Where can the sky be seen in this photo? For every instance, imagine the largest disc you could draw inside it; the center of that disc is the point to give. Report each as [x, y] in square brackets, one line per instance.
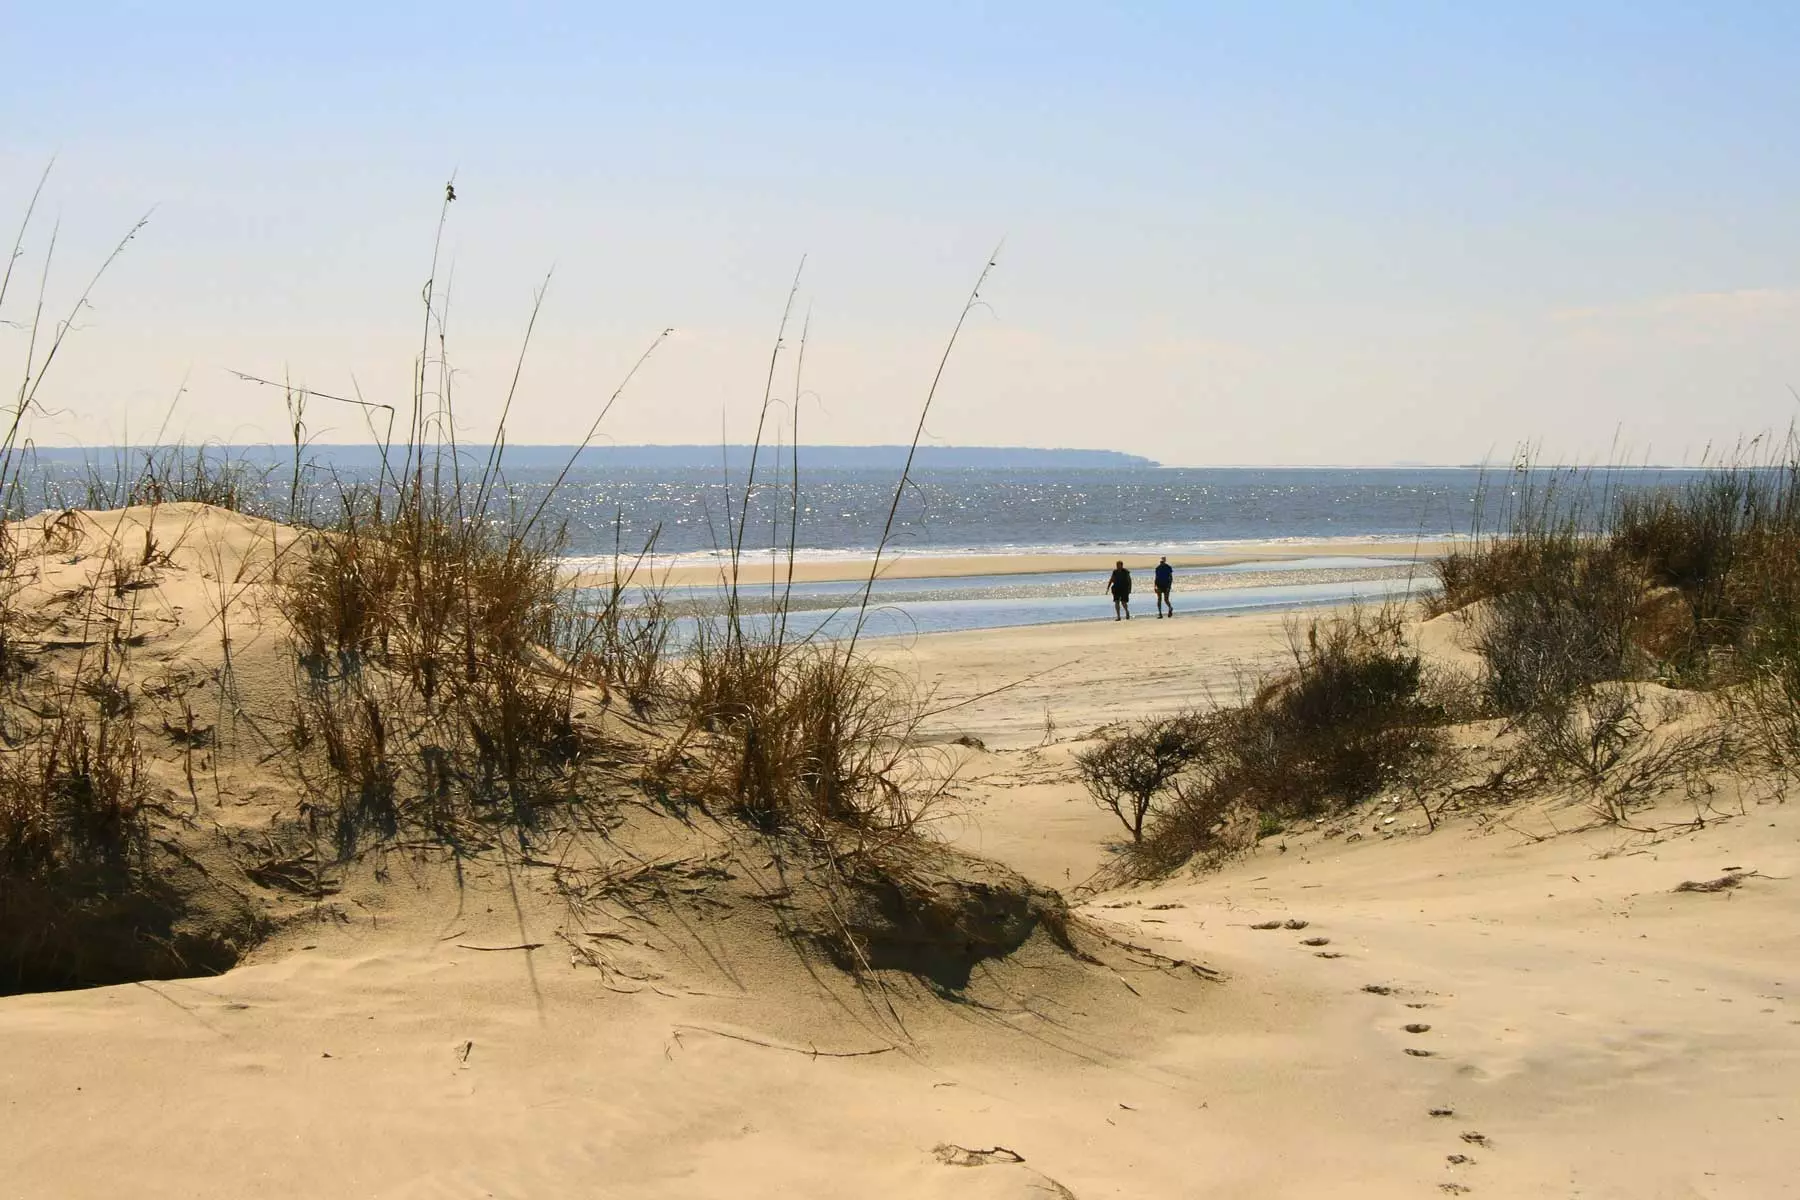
[1228, 233]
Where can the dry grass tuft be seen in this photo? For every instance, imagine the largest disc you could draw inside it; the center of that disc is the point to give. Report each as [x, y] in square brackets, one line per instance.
[1696, 587]
[72, 801]
[804, 735]
[443, 659]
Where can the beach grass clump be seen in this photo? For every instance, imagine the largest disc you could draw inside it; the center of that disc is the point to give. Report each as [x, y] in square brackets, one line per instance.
[1727, 543]
[72, 790]
[798, 733]
[444, 652]
[74, 831]
[1571, 622]
[96, 886]
[441, 657]
[1334, 727]
[1466, 576]
[423, 589]
[1350, 716]
[166, 474]
[627, 635]
[72, 798]
[1696, 586]
[349, 728]
[88, 895]
[441, 648]
[1765, 710]
[1761, 702]
[801, 732]
[1538, 525]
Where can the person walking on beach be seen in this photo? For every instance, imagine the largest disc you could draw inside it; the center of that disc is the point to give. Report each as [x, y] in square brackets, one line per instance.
[1119, 584]
[1165, 582]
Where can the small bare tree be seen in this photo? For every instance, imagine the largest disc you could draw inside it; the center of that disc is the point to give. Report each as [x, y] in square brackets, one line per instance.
[1127, 772]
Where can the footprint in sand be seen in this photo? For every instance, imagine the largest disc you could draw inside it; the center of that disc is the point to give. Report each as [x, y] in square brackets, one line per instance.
[1418, 1053]
[1315, 941]
[1267, 925]
[1417, 1028]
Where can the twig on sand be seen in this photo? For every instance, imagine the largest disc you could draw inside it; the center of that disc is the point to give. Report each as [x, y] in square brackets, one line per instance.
[520, 946]
[1722, 883]
[809, 1050]
[1165, 960]
[961, 1156]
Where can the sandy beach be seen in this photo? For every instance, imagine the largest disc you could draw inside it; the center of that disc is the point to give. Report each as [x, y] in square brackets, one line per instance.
[761, 569]
[1002, 684]
[1511, 1004]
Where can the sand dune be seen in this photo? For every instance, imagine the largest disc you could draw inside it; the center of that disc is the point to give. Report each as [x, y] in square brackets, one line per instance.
[1593, 1032]
[471, 1031]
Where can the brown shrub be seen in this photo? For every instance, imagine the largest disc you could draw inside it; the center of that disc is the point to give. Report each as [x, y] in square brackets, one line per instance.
[1347, 719]
[1128, 772]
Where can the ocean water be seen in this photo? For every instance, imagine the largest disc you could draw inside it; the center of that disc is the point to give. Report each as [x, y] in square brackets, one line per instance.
[1136, 514]
[697, 514]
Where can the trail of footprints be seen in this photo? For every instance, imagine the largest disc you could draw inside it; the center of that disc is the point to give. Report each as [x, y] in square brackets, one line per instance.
[1455, 1160]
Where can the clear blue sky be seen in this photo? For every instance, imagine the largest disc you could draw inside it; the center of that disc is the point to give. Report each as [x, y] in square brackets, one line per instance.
[1234, 233]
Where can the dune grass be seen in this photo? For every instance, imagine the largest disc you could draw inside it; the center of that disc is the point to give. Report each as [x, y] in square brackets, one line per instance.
[1694, 585]
[1695, 588]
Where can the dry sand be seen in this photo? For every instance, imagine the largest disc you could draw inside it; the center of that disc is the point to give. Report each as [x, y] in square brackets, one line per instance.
[1588, 1030]
[1001, 684]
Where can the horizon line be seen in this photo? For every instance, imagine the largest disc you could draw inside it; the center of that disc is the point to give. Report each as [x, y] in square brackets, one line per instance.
[1146, 463]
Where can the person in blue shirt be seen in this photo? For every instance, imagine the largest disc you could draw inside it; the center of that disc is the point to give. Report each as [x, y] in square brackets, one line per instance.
[1165, 582]
[1119, 584]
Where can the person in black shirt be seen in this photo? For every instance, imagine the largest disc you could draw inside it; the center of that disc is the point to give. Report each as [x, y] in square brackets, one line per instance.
[1119, 584]
[1165, 582]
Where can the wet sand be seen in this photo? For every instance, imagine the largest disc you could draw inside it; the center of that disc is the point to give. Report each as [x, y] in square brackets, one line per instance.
[759, 570]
